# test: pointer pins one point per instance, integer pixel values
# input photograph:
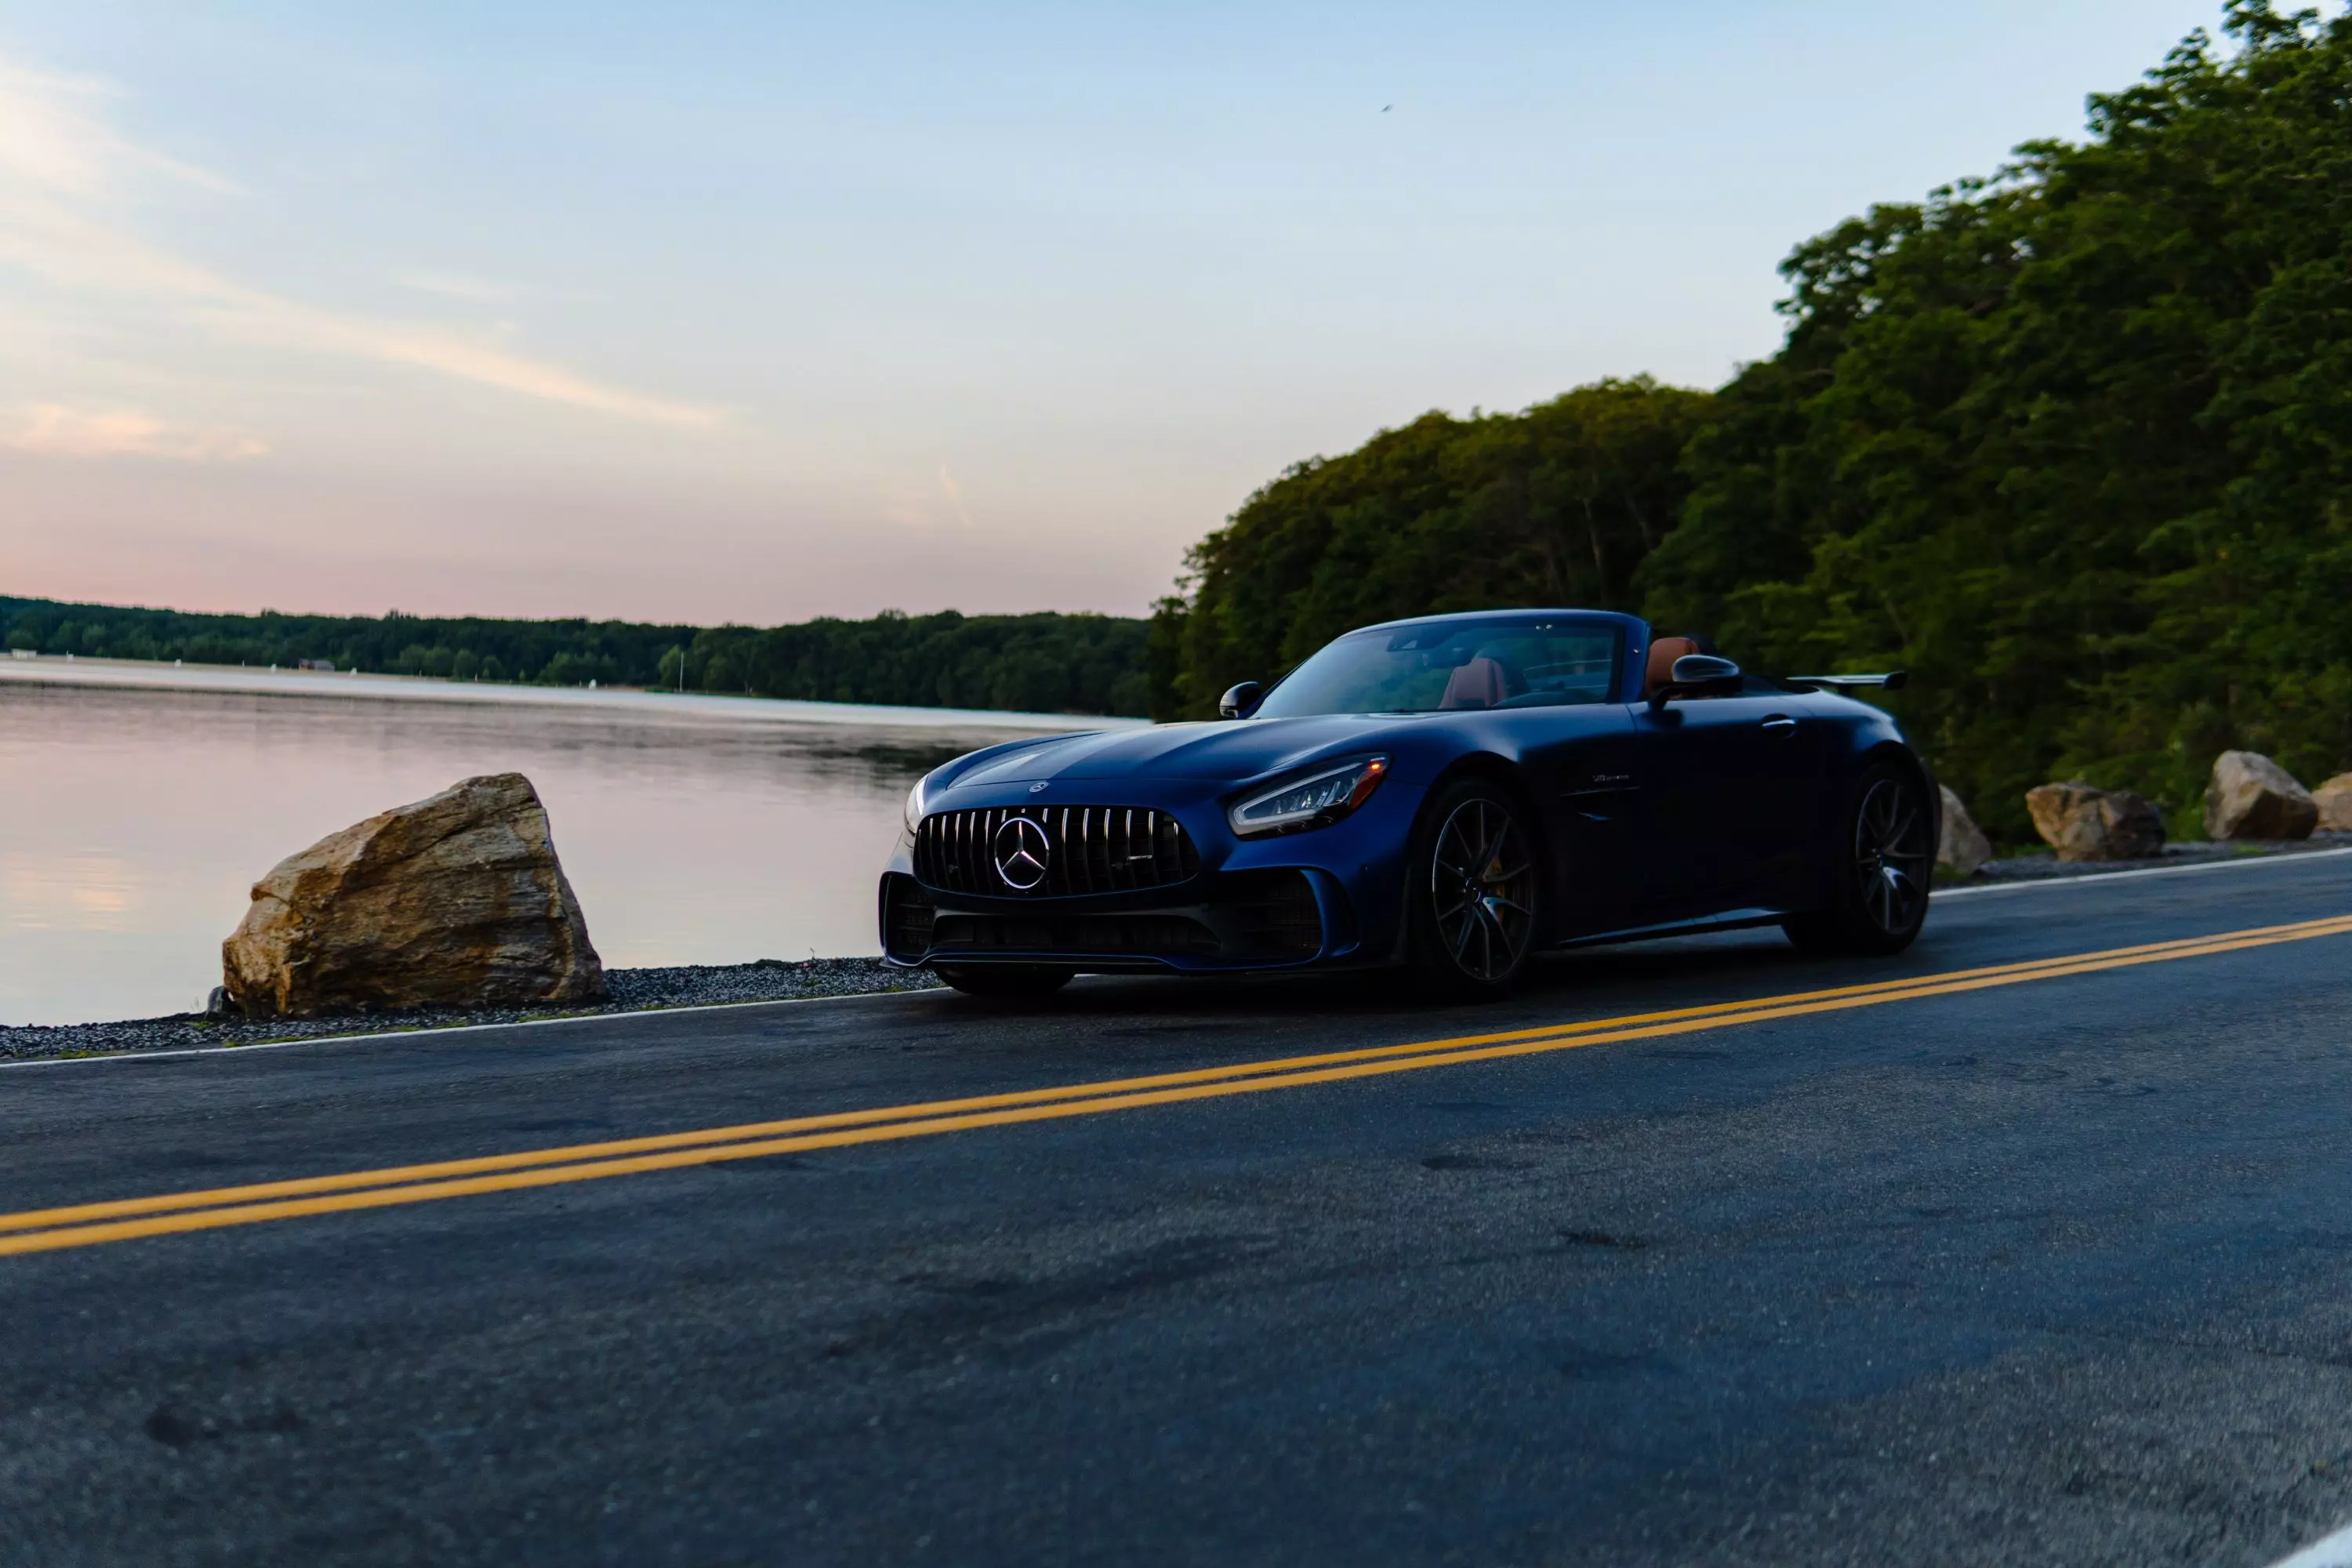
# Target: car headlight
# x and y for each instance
(1309, 802)
(915, 804)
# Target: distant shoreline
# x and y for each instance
(130, 674)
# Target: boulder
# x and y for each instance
(2251, 796)
(2333, 799)
(1963, 846)
(455, 900)
(2083, 822)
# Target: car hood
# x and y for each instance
(1228, 751)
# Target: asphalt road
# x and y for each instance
(2052, 1271)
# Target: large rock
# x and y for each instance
(2333, 799)
(457, 901)
(1963, 846)
(2083, 822)
(2251, 796)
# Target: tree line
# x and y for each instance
(1032, 663)
(1041, 663)
(2072, 442)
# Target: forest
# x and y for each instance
(1036, 663)
(2071, 441)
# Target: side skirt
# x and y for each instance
(1734, 920)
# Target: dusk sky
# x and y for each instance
(756, 312)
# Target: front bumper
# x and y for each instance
(1324, 897)
(1244, 920)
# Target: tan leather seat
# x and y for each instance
(1480, 683)
(1664, 651)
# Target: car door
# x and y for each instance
(1729, 782)
(1579, 762)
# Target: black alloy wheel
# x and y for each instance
(1474, 894)
(1887, 859)
(1004, 979)
(1894, 858)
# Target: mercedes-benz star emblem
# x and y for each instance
(1022, 851)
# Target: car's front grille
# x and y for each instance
(1092, 849)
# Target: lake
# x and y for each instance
(139, 803)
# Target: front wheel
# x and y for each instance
(1885, 855)
(1471, 895)
(1003, 979)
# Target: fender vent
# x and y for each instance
(1095, 850)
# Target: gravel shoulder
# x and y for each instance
(2037, 868)
(628, 991)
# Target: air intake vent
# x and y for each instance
(1049, 931)
(1277, 912)
(907, 918)
(1091, 850)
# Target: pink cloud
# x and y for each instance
(54, 430)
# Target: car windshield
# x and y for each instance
(1452, 665)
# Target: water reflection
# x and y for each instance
(133, 823)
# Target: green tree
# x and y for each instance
(1557, 505)
(2073, 442)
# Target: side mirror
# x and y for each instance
(1241, 702)
(1698, 675)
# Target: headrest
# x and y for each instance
(1664, 651)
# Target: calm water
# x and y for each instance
(704, 831)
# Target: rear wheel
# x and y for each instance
(1471, 895)
(1885, 854)
(1003, 979)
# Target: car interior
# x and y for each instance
(1484, 681)
(1488, 679)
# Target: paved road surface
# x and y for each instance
(2056, 1269)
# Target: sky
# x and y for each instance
(754, 312)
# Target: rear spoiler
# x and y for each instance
(1892, 680)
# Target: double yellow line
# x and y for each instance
(89, 1225)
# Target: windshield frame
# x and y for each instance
(1446, 628)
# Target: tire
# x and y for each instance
(1884, 860)
(1003, 979)
(1473, 892)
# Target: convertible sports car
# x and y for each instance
(1446, 796)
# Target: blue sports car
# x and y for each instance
(1442, 795)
